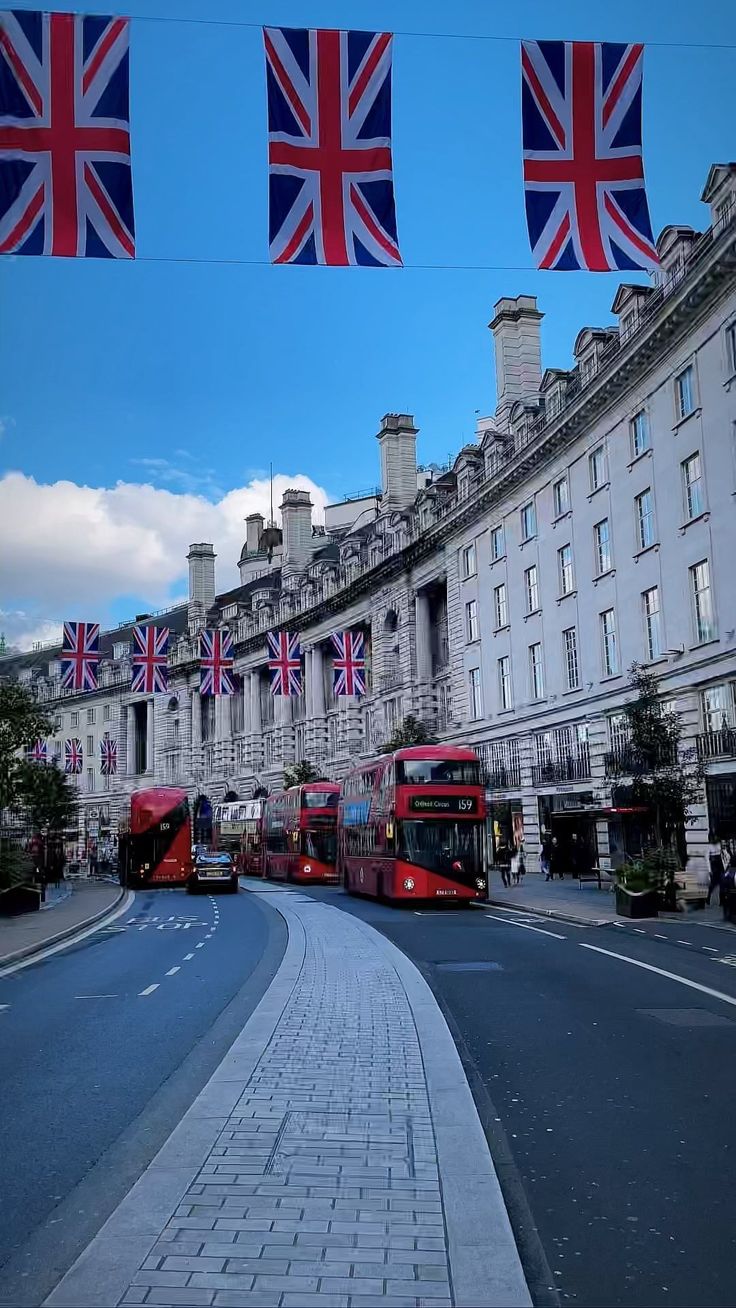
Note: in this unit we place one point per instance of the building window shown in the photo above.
(597, 465)
(471, 619)
(90, 716)
(74, 719)
(644, 505)
(602, 537)
(536, 670)
(120, 649)
(90, 746)
(719, 706)
(564, 562)
(468, 561)
(692, 480)
(500, 606)
(528, 521)
(609, 643)
(570, 651)
(561, 496)
(652, 622)
(463, 486)
(685, 389)
(504, 682)
(731, 347)
(628, 323)
(705, 625)
(531, 587)
(106, 713)
(639, 433)
(476, 694)
(498, 544)
(90, 779)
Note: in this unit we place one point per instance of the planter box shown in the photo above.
(19, 899)
(636, 903)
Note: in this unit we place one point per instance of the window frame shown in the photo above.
(498, 532)
(531, 508)
(529, 590)
(705, 629)
(536, 670)
(559, 508)
(74, 718)
(565, 572)
(501, 611)
(688, 484)
(600, 570)
(570, 658)
(471, 621)
(730, 341)
(645, 521)
(598, 452)
(687, 372)
(475, 694)
(505, 684)
(653, 651)
(639, 422)
(611, 666)
(469, 561)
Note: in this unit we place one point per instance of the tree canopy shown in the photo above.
(22, 723)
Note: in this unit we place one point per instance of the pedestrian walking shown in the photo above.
(555, 860)
(717, 868)
(545, 855)
(503, 861)
(518, 868)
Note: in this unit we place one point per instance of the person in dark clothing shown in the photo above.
(555, 860)
(503, 861)
(575, 855)
(545, 855)
(715, 860)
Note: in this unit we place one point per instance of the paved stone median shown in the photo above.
(322, 1184)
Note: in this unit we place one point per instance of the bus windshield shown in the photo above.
(320, 845)
(320, 798)
(441, 846)
(437, 772)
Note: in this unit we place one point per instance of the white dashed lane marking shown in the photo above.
(200, 945)
(148, 990)
(173, 970)
(187, 957)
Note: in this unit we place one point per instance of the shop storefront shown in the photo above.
(506, 822)
(721, 796)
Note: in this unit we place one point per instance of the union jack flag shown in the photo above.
(216, 663)
(80, 654)
(65, 175)
(586, 206)
(348, 663)
(285, 663)
(150, 651)
(73, 755)
(39, 753)
(331, 190)
(108, 757)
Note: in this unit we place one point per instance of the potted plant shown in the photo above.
(636, 896)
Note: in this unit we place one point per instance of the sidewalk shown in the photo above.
(334, 1159)
(60, 916)
(581, 903)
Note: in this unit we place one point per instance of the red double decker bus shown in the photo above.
(411, 826)
(155, 838)
(236, 828)
(300, 833)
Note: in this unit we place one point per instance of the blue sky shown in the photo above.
(192, 376)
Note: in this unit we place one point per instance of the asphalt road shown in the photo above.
(102, 1048)
(606, 1090)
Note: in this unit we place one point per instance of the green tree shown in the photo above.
(21, 723)
(47, 797)
(297, 774)
(665, 779)
(410, 731)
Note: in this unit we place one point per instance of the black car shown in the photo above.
(211, 870)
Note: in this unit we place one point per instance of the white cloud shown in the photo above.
(69, 550)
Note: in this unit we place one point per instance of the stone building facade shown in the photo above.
(589, 523)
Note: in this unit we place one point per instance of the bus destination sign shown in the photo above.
(443, 803)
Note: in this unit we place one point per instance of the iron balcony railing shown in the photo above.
(503, 776)
(716, 744)
(574, 767)
(625, 760)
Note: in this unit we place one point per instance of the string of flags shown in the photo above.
(65, 146)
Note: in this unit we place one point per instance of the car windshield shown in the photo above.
(320, 799)
(437, 772)
(445, 847)
(213, 858)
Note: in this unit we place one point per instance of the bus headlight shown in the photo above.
(480, 883)
(408, 883)
(307, 867)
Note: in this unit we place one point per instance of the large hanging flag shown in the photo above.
(331, 190)
(586, 206)
(65, 175)
(73, 755)
(348, 662)
(216, 663)
(285, 663)
(38, 753)
(108, 757)
(149, 660)
(80, 654)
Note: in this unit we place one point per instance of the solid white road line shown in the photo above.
(711, 948)
(671, 976)
(72, 940)
(507, 921)
(173, 970)
(187, 957)
(148, 990)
